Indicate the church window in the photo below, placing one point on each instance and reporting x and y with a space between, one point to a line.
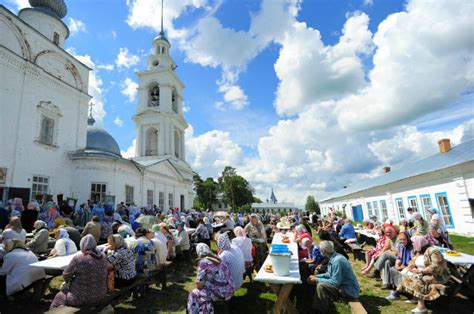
161 200
174 101
170 200
151 145
98 191
128 194
149 198
47 130
154 96
40 186
177 144
56 38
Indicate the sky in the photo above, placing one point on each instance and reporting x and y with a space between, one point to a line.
302 96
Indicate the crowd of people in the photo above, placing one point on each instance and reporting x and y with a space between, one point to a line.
115 245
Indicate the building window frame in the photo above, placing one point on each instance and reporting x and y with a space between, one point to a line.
161 201
40 185
170 200
150 198
369 209
413 203
400 207
383 209
98 189
445 212
425 207
129 194
47 111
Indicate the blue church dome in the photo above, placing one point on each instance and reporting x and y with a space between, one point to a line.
100 140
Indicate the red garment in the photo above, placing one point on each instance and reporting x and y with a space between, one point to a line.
303 253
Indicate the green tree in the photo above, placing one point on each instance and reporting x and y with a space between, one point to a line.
235 189
257 200
206 192
312 205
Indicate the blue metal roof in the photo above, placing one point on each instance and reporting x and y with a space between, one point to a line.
100 140
459 154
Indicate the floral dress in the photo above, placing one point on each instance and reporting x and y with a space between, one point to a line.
218 285
427 286
378 247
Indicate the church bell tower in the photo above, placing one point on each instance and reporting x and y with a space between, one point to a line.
159 118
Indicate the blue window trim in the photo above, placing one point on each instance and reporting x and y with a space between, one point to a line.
397 210
421 201
440 212
413 197
381 209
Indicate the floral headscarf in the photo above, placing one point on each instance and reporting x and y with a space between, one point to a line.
405 251
88 246
202 250
419 242
223 242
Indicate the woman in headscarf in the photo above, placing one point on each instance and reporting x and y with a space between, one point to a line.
426 274
208 225
372 254
170 240
63 246
421 225
160 237
39 243
391 275
436 238
145 252
16 272
49 215
213 282
86 275
201 235
14 230
233 258
300 234
245 245
257 234
122 259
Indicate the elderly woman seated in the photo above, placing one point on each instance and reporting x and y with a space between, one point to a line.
391 274
85 277
233 258
245 245
122 259
14 230
63 246
16 272
300 234
145 252
213 282
436 238
39 243
383 244
425 275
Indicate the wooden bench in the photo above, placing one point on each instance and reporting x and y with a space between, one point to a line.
356 251
40 286
357 307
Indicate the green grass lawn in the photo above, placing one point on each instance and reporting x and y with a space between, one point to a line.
253 297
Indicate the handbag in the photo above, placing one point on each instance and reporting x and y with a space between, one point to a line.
110 279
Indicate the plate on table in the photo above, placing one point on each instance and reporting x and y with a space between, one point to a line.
268 268
309 261
452 253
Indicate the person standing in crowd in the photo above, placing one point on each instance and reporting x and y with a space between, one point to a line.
213 282
304 222
39 243
63 246
245 245
16 272
257 234
183 240
338 281
93 228
86 275
14 230
122 259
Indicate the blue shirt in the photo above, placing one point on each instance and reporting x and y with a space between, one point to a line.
315 254
341 275
347 232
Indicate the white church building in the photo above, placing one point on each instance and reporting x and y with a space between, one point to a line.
50 146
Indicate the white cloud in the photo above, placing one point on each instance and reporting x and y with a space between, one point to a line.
107 67
368 2
76 26
129 89
95 88
126 59
130 152
20 4
118 121
424 61
114 34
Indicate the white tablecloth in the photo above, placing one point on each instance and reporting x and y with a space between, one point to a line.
294 276
59 262
368 234
217 225
464 259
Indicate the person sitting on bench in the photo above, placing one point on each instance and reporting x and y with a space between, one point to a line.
122 259
338 282
39 243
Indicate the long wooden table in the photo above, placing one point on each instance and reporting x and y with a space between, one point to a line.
282 285
463 260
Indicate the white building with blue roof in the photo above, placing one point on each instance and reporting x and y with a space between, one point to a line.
444 181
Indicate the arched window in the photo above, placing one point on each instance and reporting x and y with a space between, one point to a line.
174 101
154 96
177 142
151 142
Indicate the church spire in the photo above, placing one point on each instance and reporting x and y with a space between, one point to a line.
90 120
273 199
161 35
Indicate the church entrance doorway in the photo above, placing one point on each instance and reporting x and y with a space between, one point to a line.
22 193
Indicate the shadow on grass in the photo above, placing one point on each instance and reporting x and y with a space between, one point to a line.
373 303
252 297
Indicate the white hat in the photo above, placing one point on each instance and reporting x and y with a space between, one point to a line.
304 243
416 216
